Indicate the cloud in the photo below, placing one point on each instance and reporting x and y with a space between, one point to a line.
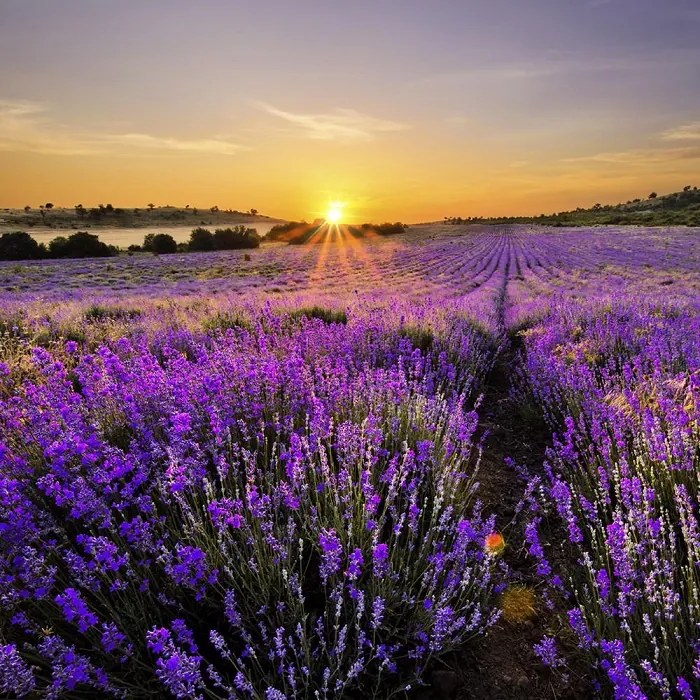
684 132
339 125
24 126
29 127
212 145
568 63
641 156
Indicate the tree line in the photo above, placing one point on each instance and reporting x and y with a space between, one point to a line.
19 245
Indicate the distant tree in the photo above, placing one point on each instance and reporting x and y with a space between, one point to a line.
49 205
214 209
151 206
201 239
19 245
236 238
187 206
687 188
27 208
160 243
653 195
109 208
79 245
79 211
254 212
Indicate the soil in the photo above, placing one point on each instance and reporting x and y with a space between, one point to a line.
502 664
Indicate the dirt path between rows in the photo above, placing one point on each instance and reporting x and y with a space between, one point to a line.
502 665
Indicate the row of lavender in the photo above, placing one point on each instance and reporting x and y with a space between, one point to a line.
440 261
620 386
270 505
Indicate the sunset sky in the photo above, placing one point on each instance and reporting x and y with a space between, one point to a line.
402 109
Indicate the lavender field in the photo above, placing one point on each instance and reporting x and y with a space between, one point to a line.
459 462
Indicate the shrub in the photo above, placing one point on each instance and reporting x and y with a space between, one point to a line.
201 239
19 245
110 313
420 338
292 230
159 243
321 313
80 245
223 320
238 237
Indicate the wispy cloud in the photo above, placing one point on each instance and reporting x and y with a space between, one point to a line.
29 126
24 126
339 125
642 156
564 63
211 145
683 132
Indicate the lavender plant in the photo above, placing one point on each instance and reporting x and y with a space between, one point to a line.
620 385
280 511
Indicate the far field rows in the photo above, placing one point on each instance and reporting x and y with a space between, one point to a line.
471 264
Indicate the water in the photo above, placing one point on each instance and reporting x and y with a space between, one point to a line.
124 237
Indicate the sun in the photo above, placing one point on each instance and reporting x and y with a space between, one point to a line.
334 213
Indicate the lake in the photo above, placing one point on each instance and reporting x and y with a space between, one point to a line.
124 237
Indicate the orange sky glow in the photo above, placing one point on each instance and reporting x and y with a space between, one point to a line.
400 111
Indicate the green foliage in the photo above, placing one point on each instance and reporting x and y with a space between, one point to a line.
385 229
675 209
201 239
161 243
19 245
289 231
421 338
321 313
80 245
236 238
223 320
110 313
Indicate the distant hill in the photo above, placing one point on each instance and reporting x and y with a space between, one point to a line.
106 215
675 209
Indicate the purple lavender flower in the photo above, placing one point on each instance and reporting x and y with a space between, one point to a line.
331 554
16 677
75 609
546 650
380 557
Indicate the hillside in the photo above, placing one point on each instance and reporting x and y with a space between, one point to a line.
675 209
108 216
